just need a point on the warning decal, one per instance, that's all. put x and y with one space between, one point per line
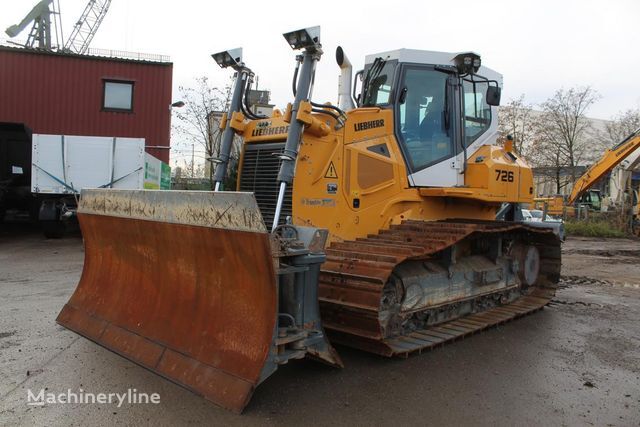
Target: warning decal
331 172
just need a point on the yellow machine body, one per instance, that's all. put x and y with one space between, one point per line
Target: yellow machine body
347 183
554 205
209 291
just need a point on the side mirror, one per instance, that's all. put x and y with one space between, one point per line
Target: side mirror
493 95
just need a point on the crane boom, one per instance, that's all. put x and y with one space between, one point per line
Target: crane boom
611 158
85 29
43 15
38 12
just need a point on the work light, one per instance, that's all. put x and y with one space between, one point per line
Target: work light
304 38
467 63
229 58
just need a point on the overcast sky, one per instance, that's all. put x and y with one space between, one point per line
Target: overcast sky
539 46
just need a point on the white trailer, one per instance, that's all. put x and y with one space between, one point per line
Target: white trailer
63 165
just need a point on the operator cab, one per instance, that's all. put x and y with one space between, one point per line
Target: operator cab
445 108
592 199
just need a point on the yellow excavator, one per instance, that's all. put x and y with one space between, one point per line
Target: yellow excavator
389 222
582 192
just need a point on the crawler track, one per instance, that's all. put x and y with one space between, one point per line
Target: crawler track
352 283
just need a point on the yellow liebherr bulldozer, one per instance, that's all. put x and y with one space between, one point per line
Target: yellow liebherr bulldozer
389 222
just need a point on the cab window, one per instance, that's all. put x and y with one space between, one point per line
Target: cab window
377 84
477 113
423 117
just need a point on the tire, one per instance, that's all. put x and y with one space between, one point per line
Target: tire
53 229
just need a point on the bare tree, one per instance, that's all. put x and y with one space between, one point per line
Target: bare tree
564 128
198 120
517 119
621 126
548 157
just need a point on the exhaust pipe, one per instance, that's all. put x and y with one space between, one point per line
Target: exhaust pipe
345 102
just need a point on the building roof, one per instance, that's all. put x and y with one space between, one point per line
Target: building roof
97 54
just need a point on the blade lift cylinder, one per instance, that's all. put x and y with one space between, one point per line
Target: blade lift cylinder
296 128
226 144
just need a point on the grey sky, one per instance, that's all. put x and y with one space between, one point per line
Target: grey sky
539 46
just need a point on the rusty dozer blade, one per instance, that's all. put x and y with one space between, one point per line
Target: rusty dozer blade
187 284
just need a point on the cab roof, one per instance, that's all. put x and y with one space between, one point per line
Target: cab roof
415 56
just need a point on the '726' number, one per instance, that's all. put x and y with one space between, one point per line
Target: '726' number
503 175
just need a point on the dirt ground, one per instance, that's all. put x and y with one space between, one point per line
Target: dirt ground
577 362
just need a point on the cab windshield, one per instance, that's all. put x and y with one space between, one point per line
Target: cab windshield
423 119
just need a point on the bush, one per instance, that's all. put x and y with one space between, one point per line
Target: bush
598 228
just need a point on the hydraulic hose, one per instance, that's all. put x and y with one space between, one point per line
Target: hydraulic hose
328 113
294 83
251 115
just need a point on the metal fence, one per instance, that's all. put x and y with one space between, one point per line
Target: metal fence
128 55
104 53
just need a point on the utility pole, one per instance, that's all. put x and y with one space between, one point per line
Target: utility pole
193 155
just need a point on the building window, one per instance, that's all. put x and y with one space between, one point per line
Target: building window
118 96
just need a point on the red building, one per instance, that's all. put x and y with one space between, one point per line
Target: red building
55 93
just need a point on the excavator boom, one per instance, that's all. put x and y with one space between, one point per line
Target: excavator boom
611 158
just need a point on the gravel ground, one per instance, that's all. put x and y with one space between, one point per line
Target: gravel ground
577 362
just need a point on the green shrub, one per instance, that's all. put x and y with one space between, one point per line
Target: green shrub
596 228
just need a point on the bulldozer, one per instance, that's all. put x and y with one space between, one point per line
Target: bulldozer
389 222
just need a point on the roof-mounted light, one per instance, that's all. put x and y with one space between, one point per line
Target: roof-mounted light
467 63
229 58
305 38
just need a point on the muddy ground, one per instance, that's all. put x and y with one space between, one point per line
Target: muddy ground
577 362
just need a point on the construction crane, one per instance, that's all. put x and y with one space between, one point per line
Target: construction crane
86 27
46 14
42 17
389 223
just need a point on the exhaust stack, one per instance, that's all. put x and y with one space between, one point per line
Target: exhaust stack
345 102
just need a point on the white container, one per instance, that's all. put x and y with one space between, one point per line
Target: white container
64 164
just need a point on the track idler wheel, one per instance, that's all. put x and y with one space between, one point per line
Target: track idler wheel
528 262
